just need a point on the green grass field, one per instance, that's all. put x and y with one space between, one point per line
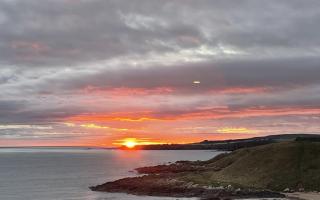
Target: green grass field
275 166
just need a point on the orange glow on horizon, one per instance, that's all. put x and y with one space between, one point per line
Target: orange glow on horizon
133 142
111 129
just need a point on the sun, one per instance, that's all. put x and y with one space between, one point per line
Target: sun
134 143
130 143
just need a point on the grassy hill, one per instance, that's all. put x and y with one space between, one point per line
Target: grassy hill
275 166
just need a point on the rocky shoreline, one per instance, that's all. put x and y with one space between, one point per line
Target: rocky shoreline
258 172
161 181
156 185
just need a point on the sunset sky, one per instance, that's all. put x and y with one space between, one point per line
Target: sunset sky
94 72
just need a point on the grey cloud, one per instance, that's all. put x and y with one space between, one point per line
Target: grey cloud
67 33
11 106
64 33
51 51
24 134
289 83
271 74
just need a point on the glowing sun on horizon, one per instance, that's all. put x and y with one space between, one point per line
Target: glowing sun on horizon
129 143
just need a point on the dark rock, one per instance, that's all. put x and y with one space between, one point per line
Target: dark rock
162 185
151 185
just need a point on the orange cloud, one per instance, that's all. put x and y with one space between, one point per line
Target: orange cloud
95 126
135 119
242 90
104 118
224 112
205 113
235 130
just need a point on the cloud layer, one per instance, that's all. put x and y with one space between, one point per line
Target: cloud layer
132 67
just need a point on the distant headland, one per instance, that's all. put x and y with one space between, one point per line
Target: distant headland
227 145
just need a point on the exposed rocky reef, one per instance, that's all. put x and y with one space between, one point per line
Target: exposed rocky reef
164 185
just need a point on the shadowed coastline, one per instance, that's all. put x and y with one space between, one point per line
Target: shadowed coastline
256 172
228 145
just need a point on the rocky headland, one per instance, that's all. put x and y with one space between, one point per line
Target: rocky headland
258 172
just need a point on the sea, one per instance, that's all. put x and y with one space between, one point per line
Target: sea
66 173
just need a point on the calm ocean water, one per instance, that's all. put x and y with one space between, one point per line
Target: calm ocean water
66 174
